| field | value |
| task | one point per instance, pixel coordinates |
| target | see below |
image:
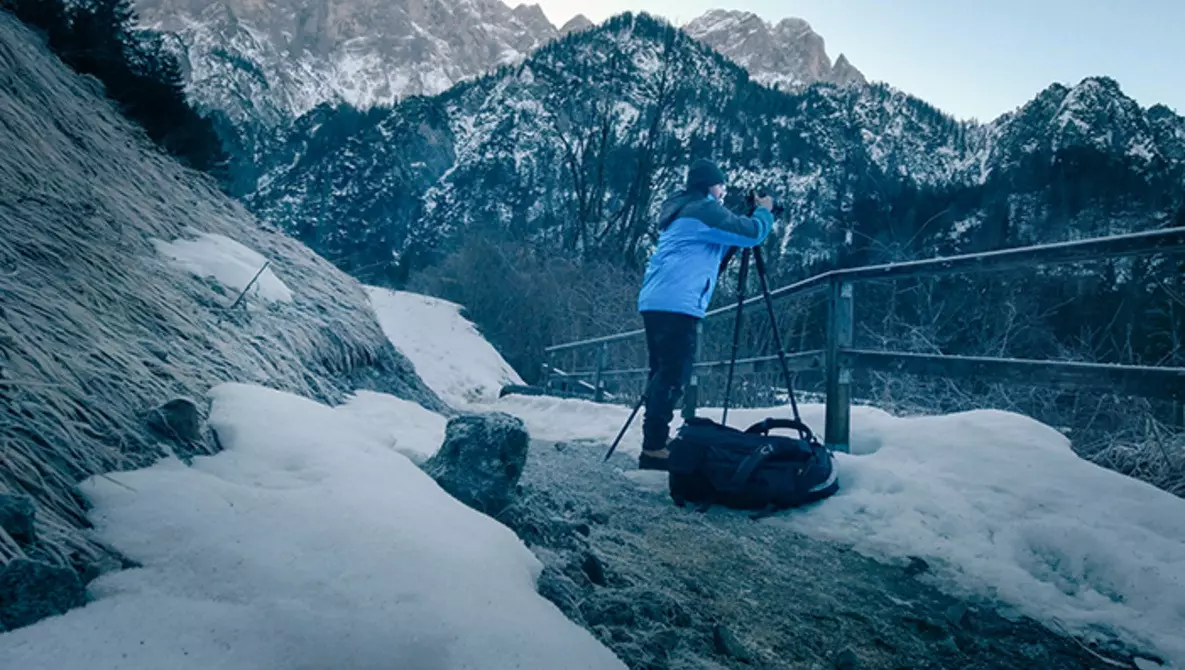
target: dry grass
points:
(98, 329)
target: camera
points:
(751, 203)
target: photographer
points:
(695, 233)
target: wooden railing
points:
(838, 359)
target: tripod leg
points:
(736, 332)
(637, 406)
(769, 305)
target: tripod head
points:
(751, 203)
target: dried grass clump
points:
(96, 329)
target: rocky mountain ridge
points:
(788, 54)
(257, 66)
(527, 149)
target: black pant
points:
(670, 341)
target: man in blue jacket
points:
(695, 231)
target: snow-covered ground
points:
(308, 543)
(997, 503)
(314, 541)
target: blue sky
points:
(972, 58)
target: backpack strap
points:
(748, 466)
(763, 427)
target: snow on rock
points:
(229, 262)
(448, 352)
(307, 543)
(998, 504)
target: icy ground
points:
(313, 541)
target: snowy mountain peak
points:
(845, 74)
(532, 17)
(787, 55)
(576, 24)
(364, 52)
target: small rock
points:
(599, 517)
(31, 591)
(481, 460)
(728, 645)
(916, 566)
(583, 528)
(949, 647)
(847, 660)
(958, 615)
(594, 569)
(560, 446)
(16, 517)
(179, 419)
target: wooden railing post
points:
(547, 366)
(691, 397)
(838, 422)
(598, 379)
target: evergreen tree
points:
(98, 37)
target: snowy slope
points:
(446, 349)
(307, 543)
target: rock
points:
(916, 566)
(958, 615)
(728, 645)
(16, 517)
(847, 660)
(481, 460)
(178, 420)
(594, 569)
(31, 591)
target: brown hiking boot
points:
(654, 460)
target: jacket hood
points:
(673, 205)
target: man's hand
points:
(766, 201)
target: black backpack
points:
(714, 464)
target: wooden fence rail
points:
(838, 359)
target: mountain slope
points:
(117, 269)
(363, 52)
(789, 54)
(576, 144)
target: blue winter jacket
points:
(695, 231)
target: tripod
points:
(759, 265)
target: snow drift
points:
(446, 349)
(116, 269)
(306, 544)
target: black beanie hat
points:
(703, 175)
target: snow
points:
(997, 503)
(232, 264)
(307, 543)
(402, 425)
(447, 351)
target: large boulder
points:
(31, 591)
(481, 460)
